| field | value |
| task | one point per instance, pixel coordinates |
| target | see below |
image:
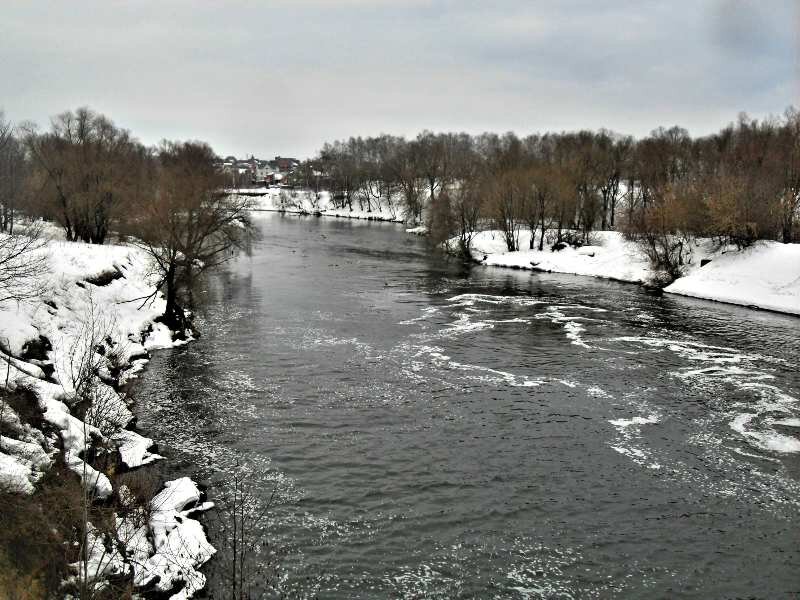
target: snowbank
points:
(306, 202)
(86, 302)
(91, 312)
(766, 275)
(612, 257)
(180, 543)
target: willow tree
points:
(12, 173)
(86, 173)
(189, 224)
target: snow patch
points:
(766, 275)
(179, 542)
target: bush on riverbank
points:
(64, 423)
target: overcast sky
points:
(283, 76)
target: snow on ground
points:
(308, 202)
(180, 543)
(91, 306)
(85, 302)
(611, 256)
(134, 449)
(766, 275)
(103, 559)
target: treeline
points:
(738, 185)
(94, 178)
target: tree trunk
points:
(604, 220)
(173, 314)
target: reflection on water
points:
(440, 431)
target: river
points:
(440, 430)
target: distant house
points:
(258, 171)
(285, 165)
(263, 171)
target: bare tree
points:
(789, 158)
(505, 204)
(12, 174)
(248, 564)
(86, 170)
(189, 225)
(23, 259)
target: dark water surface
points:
(440, 431)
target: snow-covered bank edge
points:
(765, 276)
(338, 214)
(308, 203)
(88, 314)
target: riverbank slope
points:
(306, 202)
(86, 334)
(765, 275)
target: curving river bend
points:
(441, 431)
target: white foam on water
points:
(464, 324)
(427, 313)
(473, 299)
(623, 424)
(717, 371)
(597, 392)
(771, 489)
(574, 325)
(574, 330)
(628, 441)
(517, 320)
(722, 368)
(634, 453)
(691, 350)
(537, 571)
(765, 439)
(485, 374)
(568, 383)
(742, 452)
(594, 309)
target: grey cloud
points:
(284, 76)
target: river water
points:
(436, 430)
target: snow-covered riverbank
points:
(91, 317)
(766, 275)
(304, 202)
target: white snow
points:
(766, 275)
(15, 474)
(180, 543)
(103, 559)
(65, 315)
(104, 321)
(612, 258)
(308, 202)
(133, 448)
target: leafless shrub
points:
(90, 361)
(248, 563)
(34, 557)
(22, 262)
